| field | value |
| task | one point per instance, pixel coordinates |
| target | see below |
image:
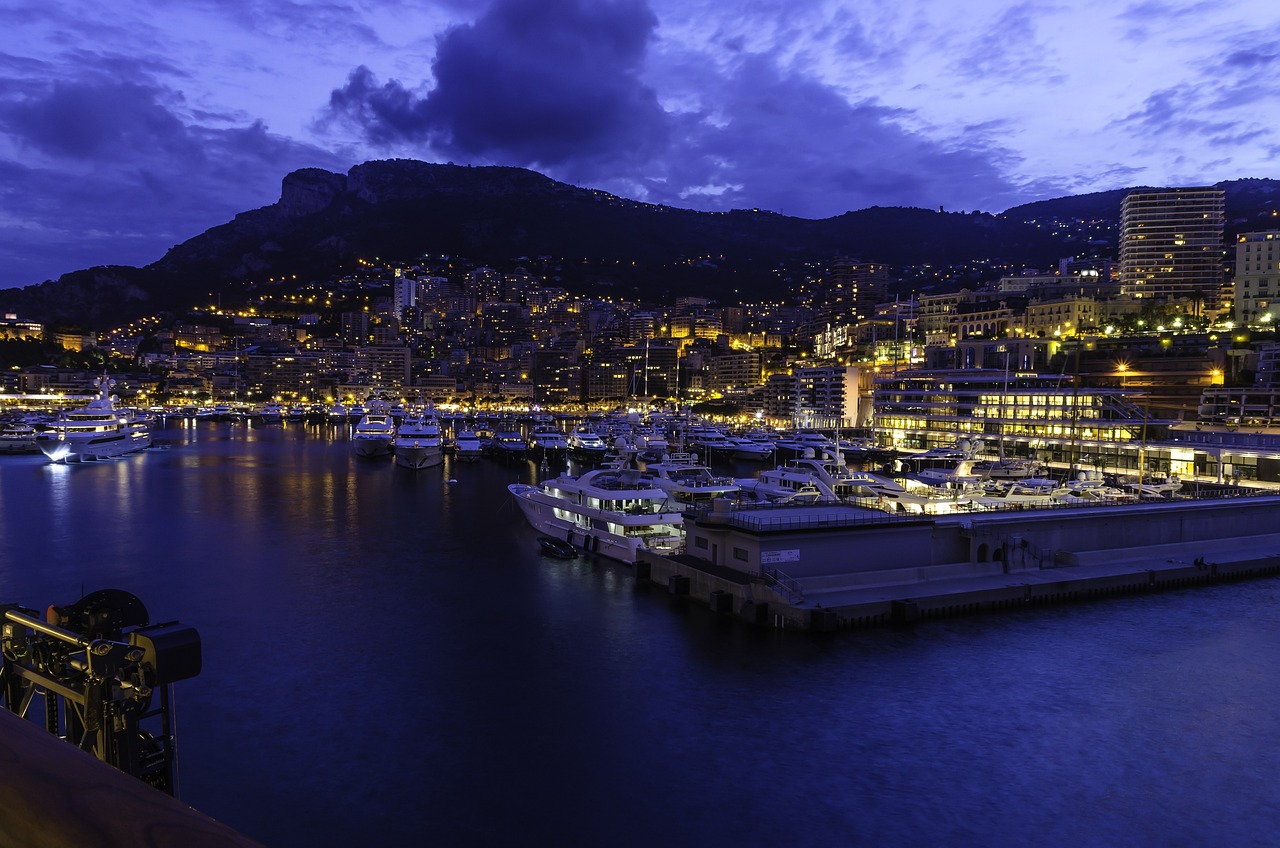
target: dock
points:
(831, 569)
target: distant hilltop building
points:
(1171, 244)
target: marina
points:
(545, 684)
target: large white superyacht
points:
(614, 511)
(96, 431)
(376, 430)
(418, 442)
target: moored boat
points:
(96, 431)
(418, 443)
(374, 433)
(614, 511)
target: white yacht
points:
(690, 483)
(798, 443)
(508, 445)
(751, 450)
(614, 511)
(271, 413)
(709, 440)
(18, 437)
(96, 431)
(374, 432)
(868, 489)
(467, 446)
(788, 484)
(1151, 485)
(546, 440)
(418, 443)
(585, 443)
(1019, 494)
(1091, 487)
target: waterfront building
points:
(833, 396)
(1256, 290)
(1171, 244)
(1047, 417)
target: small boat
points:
(557, 548)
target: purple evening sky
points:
(127, 127)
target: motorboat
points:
(708, 440)
(586, 444)
(1152, 485)
(96, 431)
(338, 413)
(270, 413)
(795, 444)
(614, 511)
(374, 433)
(689, 482)
(558, 548)
(418, 443)
(1091, 487)
(1019, 494)
(467, 446)
(508, 445)
(547, 441)
(788, 484)
(18, 437)
(750, 450)
(1008, 469)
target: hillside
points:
(398, 210)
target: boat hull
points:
(585, 529)
(75, 449)
(418, 456)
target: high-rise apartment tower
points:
(1171, 244)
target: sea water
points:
(389, 660)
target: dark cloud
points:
(117, 170)
(788, 143)
(531, 82)
(95, 120)
(556, 85)
(1254, 59)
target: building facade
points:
(1171, 244)
(1257, 282)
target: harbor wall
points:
(865, 574)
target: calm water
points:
(388, 660)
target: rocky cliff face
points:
(308, 191)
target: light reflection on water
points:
(388, 659)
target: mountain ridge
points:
(400, 209)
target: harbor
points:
(542, 687)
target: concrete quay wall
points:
(979, 562)
(1037, 539)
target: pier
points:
(830, 568)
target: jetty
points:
(838, 566)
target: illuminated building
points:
(1046, 416)
(1257, 281)
(1171, 244)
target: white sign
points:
(774, 557)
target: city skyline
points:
(124, 131)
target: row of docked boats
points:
(631, 504)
